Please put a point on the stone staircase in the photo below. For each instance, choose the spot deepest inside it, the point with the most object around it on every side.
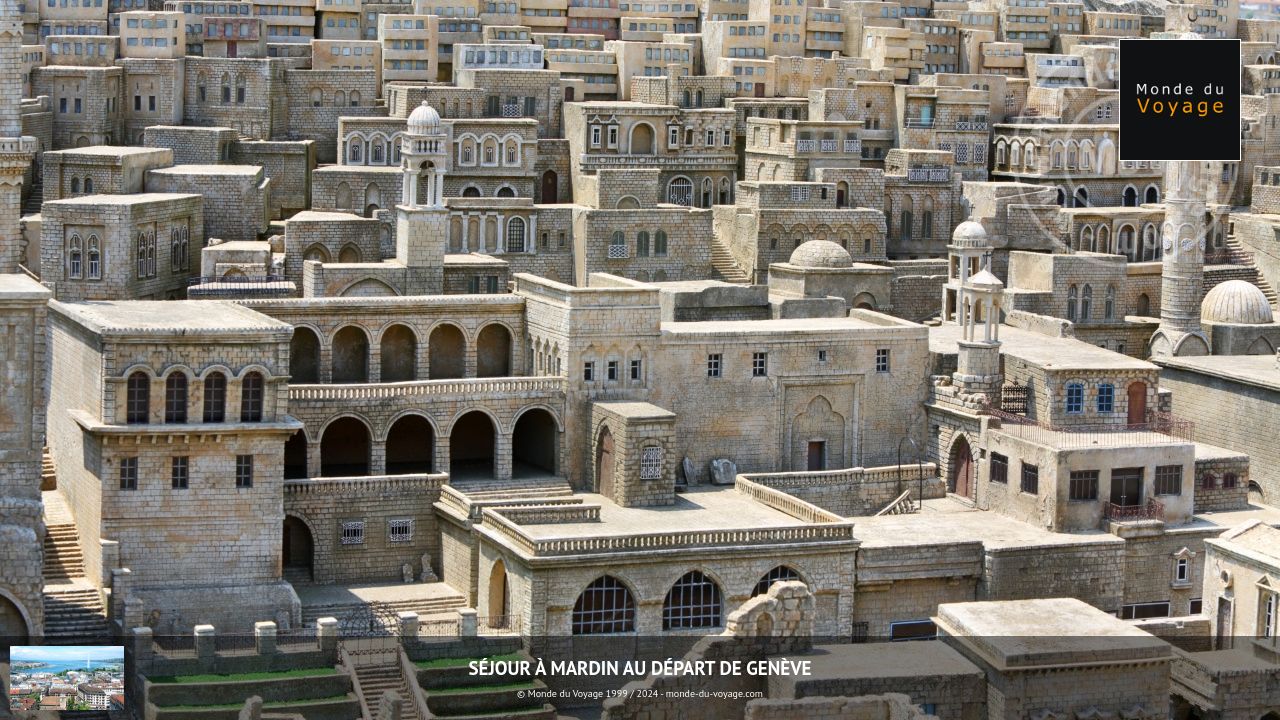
(62, 559)
(425, 607)
(515, 488)
(1239, 266)
(725, 266)
(374, 679)
(48, 473)
(73, 615)
(31, 205)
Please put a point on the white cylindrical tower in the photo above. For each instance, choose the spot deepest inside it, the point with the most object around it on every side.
(1182, 280)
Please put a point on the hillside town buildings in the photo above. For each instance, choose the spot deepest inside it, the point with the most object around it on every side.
(538, 324)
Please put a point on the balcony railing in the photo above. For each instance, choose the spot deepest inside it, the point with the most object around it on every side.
(618, 252)
(972, 125)
(830, 146)
(806, 145)
(916, 122)
(1153, 509)
(1158, 429)
(853, 146)
(928, 175)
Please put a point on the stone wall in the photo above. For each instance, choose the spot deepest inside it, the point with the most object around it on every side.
(236, 197)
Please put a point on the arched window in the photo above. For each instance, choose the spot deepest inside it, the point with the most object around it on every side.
(88, 185)
(642, 244)
(604, 607)
(354, 98)
(1106, 398)
(1109, 303)
(660, 244)
(1086, 302)
(515, 235)
(138, 399)
(377, 152)
(94, 258)
(175, 398)
(215, 398)
(75, 184)
(782, 573)
(680, 191)
(1075, 398)
(75, 258)
(1071, 303)
(512, 153)
(353, 150)
(692, 602)
(618, 245)
(251, 398)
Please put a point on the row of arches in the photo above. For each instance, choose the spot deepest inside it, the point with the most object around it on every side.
(468, 447)
(368, 202)
(372, 149)
(489, 150)
(1080, 303)
(608, 604)
(179, 391)
(399, 356)
(1097, 238)
(88, 185)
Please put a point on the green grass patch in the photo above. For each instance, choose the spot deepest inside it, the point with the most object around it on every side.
(270, 675)
(483, 688)
(439, 663)
(276, 704)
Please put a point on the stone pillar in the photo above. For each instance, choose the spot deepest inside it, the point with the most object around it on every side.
(408, 624)
(466, 232)
(264, 637)
(467, 622)
(532, 243)
(378, 457)
(327, 633)
(206, 639)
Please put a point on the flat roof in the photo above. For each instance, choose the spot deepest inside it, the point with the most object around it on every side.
(1055, 353)
(130, 199)
(21, 287)
(200, 169)
(1047, 631)
(704, 508)
(946, 520)
(1257, 370)
(177, 317)
(871, 661)
(799, 326)
(110, 150)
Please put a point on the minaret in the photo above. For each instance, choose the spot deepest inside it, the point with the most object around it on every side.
(1182, 281)
(16, 151)
(422, 220)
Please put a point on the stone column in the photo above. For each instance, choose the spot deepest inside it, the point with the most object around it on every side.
(532, 242)
(467, 622)
(205, 639)
(264, 635)
(408, 623)
(327, 633)
(466, 228)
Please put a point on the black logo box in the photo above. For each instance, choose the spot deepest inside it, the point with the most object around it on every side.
(1187, 63)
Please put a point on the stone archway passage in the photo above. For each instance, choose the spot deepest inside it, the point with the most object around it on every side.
(351, 356)
(493, 352)
(344, 448)
(446, 352)
(399, 351)
(295, 457)
(13, 625)
(304, 356)
(534, 444)
(471, 447)
(499, 595)
(298, 550)
(411, 444)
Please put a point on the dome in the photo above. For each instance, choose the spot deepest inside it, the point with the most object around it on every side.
(424, 120)
(1237, 302)
(969, 233)
(821, 254)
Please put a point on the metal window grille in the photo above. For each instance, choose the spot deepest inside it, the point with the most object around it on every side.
(400, 530)
(215, 397)
(651, 463)
(605, 606)
(244, 471)
(1083, 485)
(353, 532)
(693, 602)
(1169, 480)
(180, 472)
(781, 573)
(175, 398)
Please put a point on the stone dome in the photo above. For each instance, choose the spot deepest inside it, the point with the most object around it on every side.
(424, 120)
(1237, 302)
(821, 254)
(984, 279)
(969, 233)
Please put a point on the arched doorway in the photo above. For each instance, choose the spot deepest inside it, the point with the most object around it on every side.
(1137, 403)
(304, 356)
(471, 446)
(642, 139)
(604, 463)
(960, 481)
(298, 550)
(1082, 197)
(1152, 194)
(534, 444)
(295, 457)
(499, 595)
(447, 352)
(399, 354)
(1130, 197)
(550, 187)
(13, 623)
(411, 444)
(493, 351)
(350, 355)
(344, 448)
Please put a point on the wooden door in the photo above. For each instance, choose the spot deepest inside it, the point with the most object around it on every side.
(231, 49)
(961, 481)
(550, 187)
(604, 464)
(1137, 403)
(817, 455)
